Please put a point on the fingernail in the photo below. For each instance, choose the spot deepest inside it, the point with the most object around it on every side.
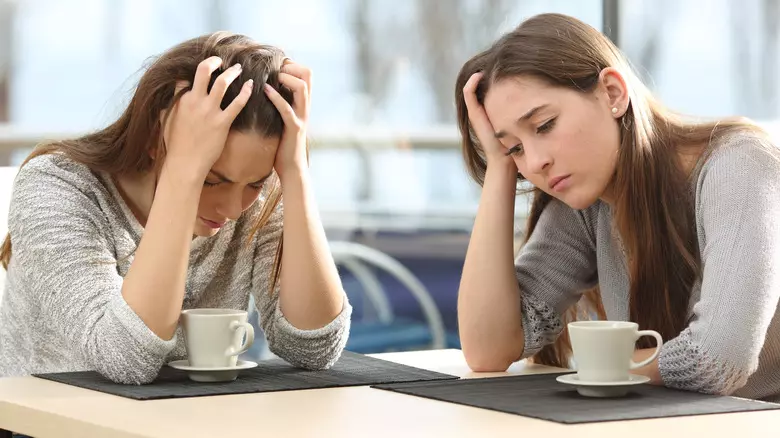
(250, 83)
(237, 66)
(267, 88)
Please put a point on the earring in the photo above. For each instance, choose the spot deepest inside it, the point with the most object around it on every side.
(614, 110)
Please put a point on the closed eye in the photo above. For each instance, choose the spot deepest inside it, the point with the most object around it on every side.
(546, 126)
(252, 186)
(516, 149)
(257, 185)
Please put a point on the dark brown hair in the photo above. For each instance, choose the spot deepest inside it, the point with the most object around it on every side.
(127, 145)
(653, 209)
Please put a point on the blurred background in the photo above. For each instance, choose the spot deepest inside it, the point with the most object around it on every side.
(395, 198)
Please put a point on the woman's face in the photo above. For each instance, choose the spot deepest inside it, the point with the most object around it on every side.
(565, 142)
(235, 180)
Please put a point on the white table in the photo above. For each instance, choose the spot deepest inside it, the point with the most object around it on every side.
(43, 408)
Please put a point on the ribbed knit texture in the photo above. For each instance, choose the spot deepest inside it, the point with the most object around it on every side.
(732, 342)
(73, 241)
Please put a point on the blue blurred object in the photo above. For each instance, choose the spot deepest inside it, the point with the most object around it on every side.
(375, 328)
(259, 349)
(401, 334)
(367, 274)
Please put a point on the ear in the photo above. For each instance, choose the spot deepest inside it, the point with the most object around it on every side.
(613, 85)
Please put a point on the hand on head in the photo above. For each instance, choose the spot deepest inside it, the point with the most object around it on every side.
(494, 151)
(197, 126)
(292, 152)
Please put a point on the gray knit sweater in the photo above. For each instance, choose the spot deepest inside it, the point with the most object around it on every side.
(73, 241)
(732, 342)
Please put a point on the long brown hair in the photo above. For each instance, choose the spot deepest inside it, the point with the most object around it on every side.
(128, 145)
(653, 210)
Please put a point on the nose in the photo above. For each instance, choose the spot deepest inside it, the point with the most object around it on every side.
(230, 204)
(537, 159)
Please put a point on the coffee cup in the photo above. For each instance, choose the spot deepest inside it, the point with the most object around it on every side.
(213, 337)
(603, 350)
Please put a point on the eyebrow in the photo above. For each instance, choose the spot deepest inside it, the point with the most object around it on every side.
(530, 113)
(223, 178)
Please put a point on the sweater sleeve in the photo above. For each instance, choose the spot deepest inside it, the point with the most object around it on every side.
(554, 268)
(310, 349)
(738, 206)
(59, 250)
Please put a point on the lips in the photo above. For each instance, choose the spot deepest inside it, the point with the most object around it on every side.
(557, 180)
(212, 224)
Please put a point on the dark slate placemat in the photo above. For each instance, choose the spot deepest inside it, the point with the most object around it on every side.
(541, 396)
(352, 369)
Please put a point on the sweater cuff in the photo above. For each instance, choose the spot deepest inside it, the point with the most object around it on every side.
(310, 349)
(327, 331)
(685, 365)
(541, 325)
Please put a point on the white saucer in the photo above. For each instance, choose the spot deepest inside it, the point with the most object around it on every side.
(220, 374)
(603, 389)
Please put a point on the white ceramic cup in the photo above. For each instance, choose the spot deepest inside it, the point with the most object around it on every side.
(603, 350)
(213, 337)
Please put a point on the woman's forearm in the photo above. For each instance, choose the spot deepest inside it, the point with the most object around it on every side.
(154, 285)
(489, 314)
(311, 294)
(650, 370)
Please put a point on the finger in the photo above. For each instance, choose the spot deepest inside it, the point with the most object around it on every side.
(300, 94)
(284, 108)
(477, 115)
(180, 85)
(200, 84)
(223, 81)
(235, 107)
(165, 114)
(470, 90)
(298, 71)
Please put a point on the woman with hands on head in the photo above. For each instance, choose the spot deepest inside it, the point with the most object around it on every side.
(652, 218)
(176, 205)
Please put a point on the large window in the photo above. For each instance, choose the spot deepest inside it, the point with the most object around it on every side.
(383, 110)
(715, 60)
(383, 115)
(386, 163)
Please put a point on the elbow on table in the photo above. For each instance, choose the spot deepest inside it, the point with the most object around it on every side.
(313, 362)
(310, 354)
(128, 374)
(491, 357)
(481, 362)
(124, 363)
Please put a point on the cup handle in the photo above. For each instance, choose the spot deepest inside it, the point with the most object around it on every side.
(249, 331)
(659, 343)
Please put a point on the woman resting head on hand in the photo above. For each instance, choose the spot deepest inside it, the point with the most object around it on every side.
(650, 213)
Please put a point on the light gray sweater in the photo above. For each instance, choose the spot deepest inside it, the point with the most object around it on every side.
(73, 241)
(732, 342)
